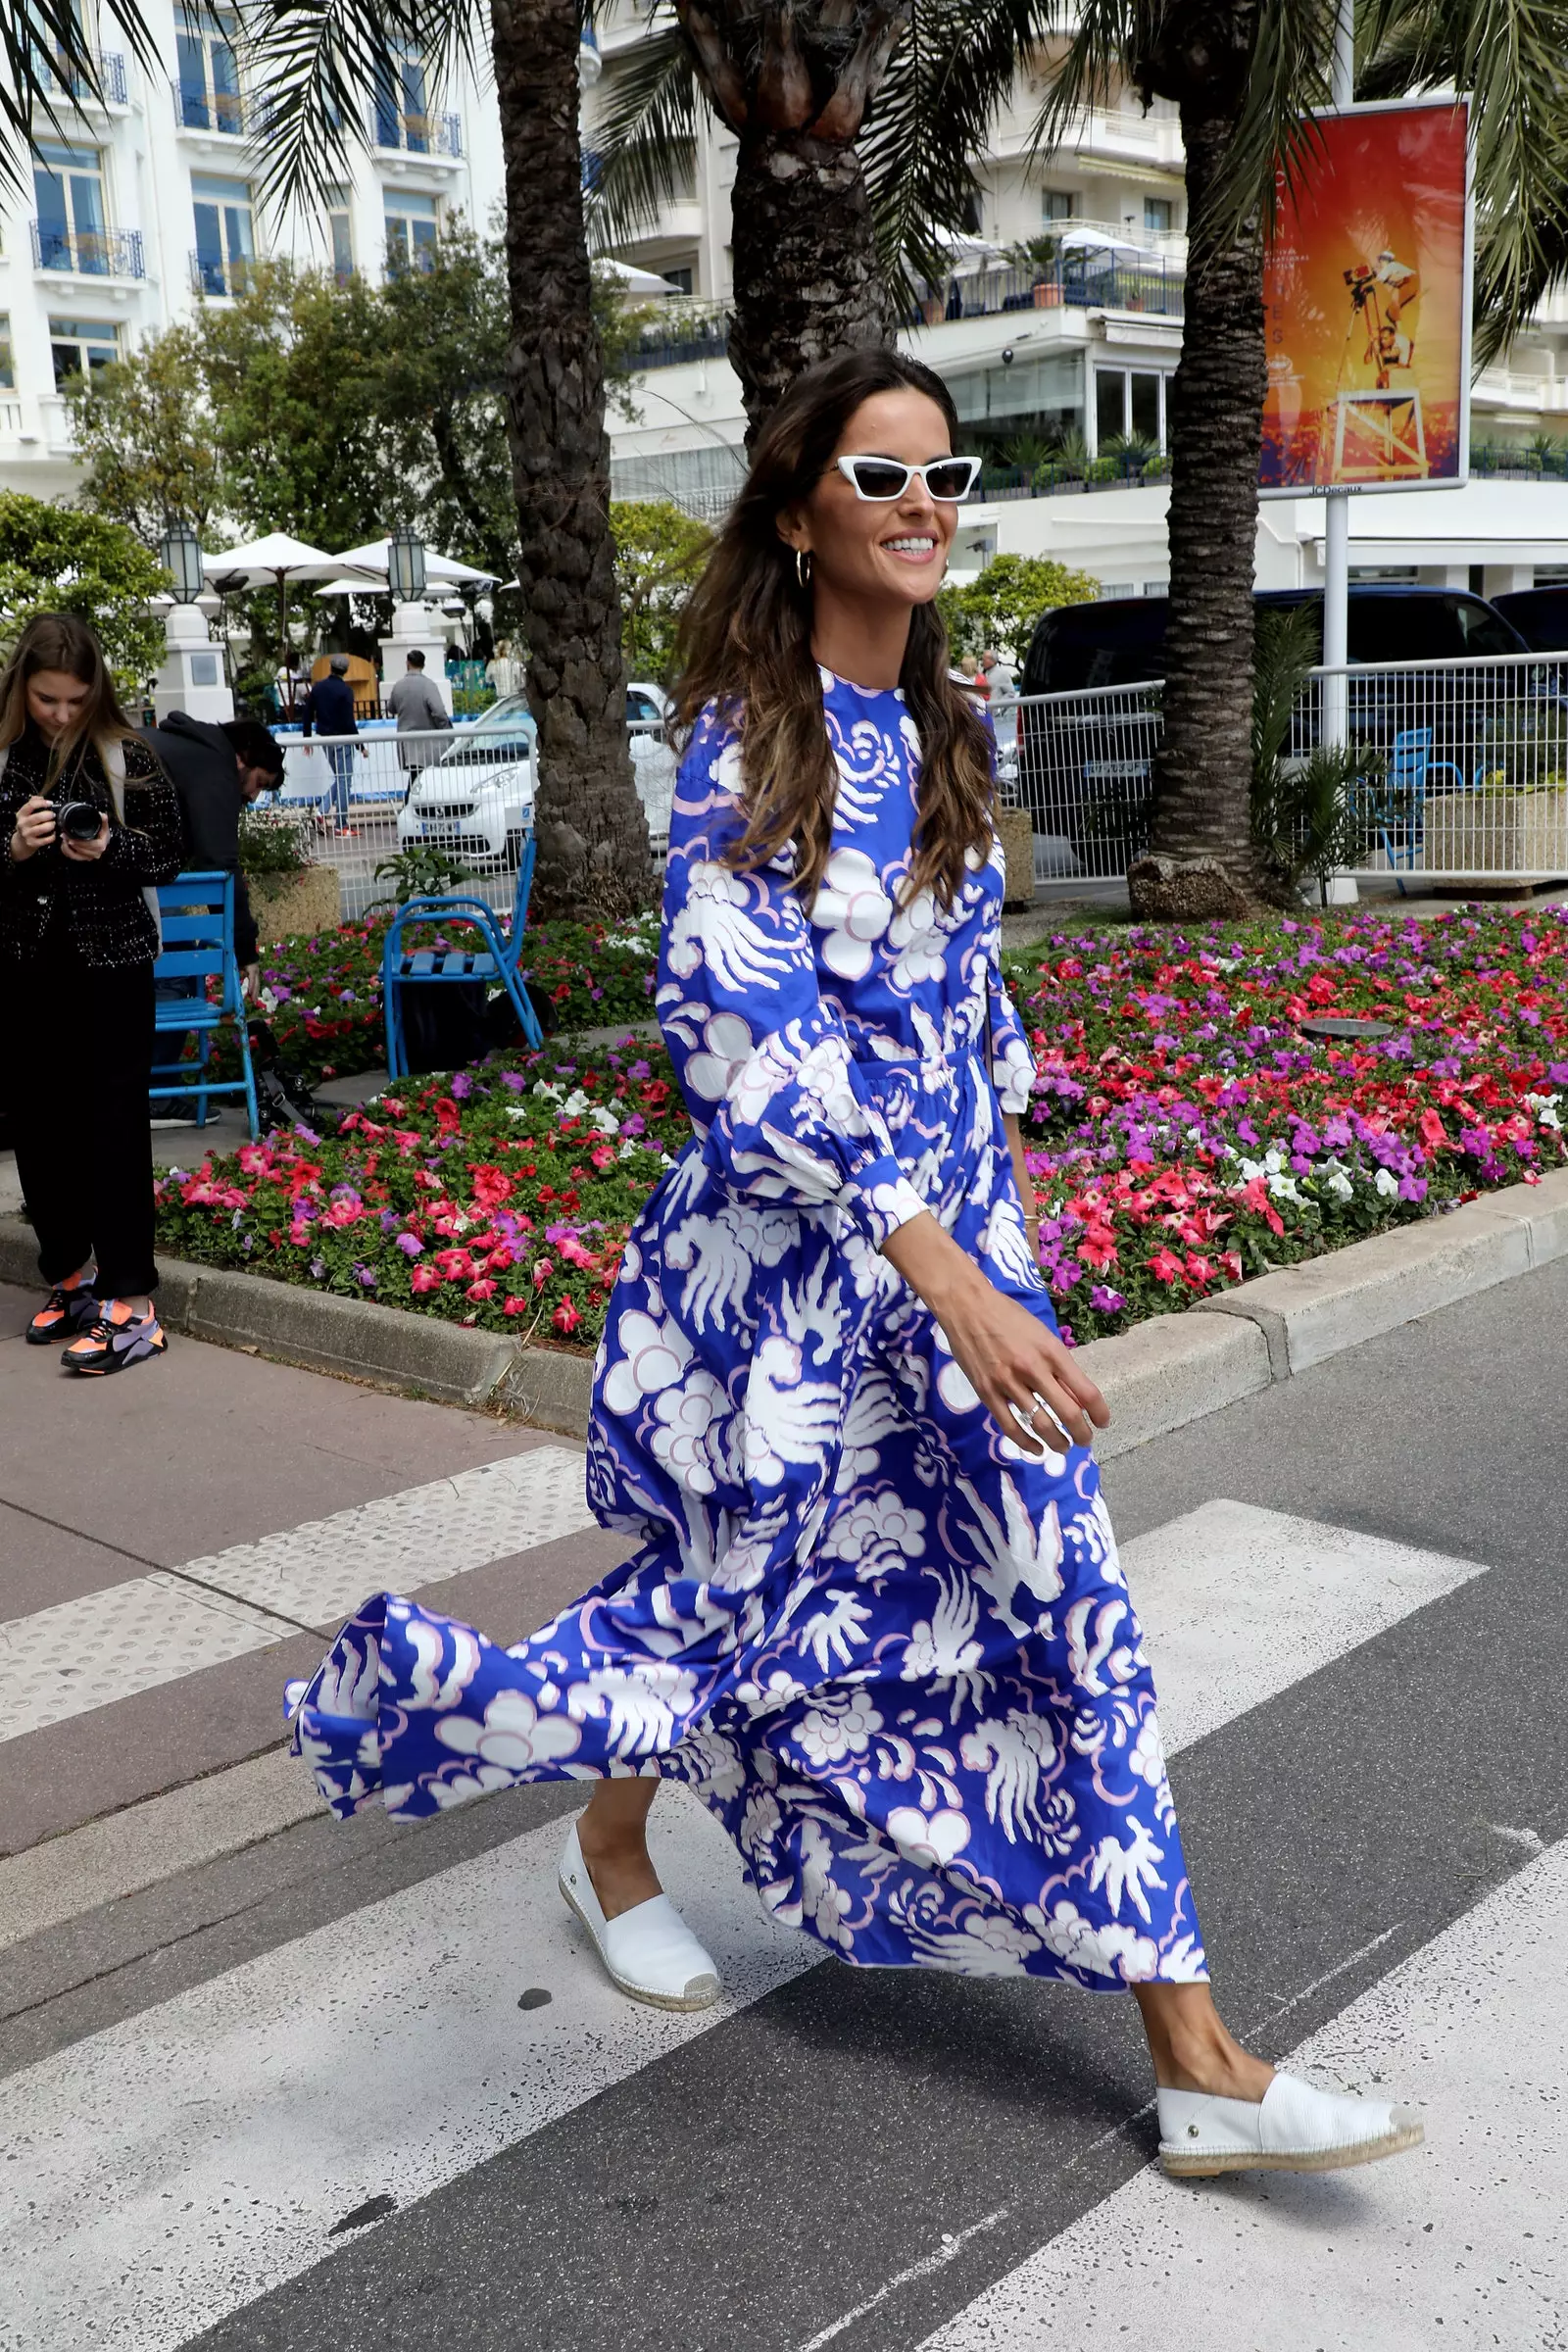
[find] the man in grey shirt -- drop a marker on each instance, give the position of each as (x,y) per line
(415,703)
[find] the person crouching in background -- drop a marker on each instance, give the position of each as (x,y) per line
(89,823)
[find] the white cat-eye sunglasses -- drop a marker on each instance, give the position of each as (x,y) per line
(882,480)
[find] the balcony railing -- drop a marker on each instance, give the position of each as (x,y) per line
(88,252)
(398,131)
(211,274)
(227,112)
(108,67)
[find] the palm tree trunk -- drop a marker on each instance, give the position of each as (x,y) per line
(1201,863)
(591,831)
(806,278)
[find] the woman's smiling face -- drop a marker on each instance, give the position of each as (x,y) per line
(864,550)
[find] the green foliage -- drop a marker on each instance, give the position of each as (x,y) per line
(1309,817)
(143,432)
(659,555)
(58,560)
(1001,607)
(424,871)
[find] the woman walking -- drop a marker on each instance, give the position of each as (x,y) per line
(89,820)
(875,1617)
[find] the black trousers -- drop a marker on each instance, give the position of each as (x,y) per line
(75,1051)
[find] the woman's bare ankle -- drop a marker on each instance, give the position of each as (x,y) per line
(618,1861)
(1219,2070)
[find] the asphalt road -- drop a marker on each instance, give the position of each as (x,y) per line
(307,2094)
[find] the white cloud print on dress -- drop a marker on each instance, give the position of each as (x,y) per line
(715,927)
(653,1356)
(852,910)
(512,1735)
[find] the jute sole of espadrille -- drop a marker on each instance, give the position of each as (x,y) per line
(1200,2167)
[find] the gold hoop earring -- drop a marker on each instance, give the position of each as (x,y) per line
(802,566)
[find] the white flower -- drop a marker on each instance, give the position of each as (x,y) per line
(512,1735)
(1385,1183)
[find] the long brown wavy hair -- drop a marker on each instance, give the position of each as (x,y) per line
(60,641)
(746,646)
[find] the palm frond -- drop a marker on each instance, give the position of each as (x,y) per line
(1507,56)
(644,135)
(933,117)
(322,62)
(45,56)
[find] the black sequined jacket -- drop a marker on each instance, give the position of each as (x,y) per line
(101,902)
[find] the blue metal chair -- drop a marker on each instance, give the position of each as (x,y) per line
(197,914)
(495,959)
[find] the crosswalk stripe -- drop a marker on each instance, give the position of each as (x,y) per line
(385,2054)
(107,1645)
(1459,2243)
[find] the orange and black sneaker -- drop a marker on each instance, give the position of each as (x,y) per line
(116,1338)
(68,1308)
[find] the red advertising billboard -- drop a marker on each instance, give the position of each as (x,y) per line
(1366,292)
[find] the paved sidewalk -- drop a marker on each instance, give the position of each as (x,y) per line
(147,1624)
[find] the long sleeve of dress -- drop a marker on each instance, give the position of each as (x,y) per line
(1012,1063)
(766,1066)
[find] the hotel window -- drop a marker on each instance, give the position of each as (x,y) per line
(1129,400)
(340,229)
(225,241)
(413,224)
(401,111)
(81,346)
(69,185)
(8,367)
(1159,214)
(1056,204)
(208,90)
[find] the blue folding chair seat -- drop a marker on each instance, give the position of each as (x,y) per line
(197,914)
(496,960)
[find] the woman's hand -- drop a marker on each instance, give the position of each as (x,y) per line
(82,852)
(1006,1352)
(34,827)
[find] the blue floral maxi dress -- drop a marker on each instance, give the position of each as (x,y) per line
(892,1649)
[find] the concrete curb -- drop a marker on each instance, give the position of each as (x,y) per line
(1156,1376)
(414,1355)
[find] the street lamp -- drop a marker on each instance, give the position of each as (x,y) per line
(180,554)
(406,565)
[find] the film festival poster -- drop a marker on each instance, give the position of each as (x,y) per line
(1367,302)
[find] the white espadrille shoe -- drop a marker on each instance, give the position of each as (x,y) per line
(650,1952)
(1294,2129)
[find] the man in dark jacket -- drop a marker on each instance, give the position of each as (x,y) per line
(216,771)
(328,707)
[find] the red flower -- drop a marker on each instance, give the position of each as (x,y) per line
(565,1318)
(423,1279)
(479,1292)
(513,1305)
(1165,1267)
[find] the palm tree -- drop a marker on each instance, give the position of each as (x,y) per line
(319,61)
(1244,75)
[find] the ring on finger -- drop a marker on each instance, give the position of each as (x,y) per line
(1042,1404)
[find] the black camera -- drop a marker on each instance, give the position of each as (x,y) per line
(77,820)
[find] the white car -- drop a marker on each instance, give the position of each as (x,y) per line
(477,801)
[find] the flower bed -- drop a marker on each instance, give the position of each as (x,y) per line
(1184,1134)
(1187,1135)
(323,995)
(501,1196)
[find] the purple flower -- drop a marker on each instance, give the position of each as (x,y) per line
(411,1245)
(1105,1301)
(1412,1187)
(461,1087)
(317,1268)
(367,1277)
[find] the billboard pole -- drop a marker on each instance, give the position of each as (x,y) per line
(1337,501)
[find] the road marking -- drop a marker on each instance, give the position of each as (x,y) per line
(385,2054)
(108,1645)
(1459,2242)
(1238,1603)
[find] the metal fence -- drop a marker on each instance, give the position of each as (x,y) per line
(1457,770)
(393,813)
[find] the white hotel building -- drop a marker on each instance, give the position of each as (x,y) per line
(142,204)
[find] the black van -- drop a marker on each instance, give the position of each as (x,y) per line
(1541,617)
(1086,771)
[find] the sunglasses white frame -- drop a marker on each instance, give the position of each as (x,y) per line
(847,466)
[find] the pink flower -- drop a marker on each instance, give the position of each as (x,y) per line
(479,1292)
(1165,1267)
(565,1318)
(424,1279)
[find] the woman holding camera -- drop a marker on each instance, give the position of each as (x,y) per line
(88,821)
